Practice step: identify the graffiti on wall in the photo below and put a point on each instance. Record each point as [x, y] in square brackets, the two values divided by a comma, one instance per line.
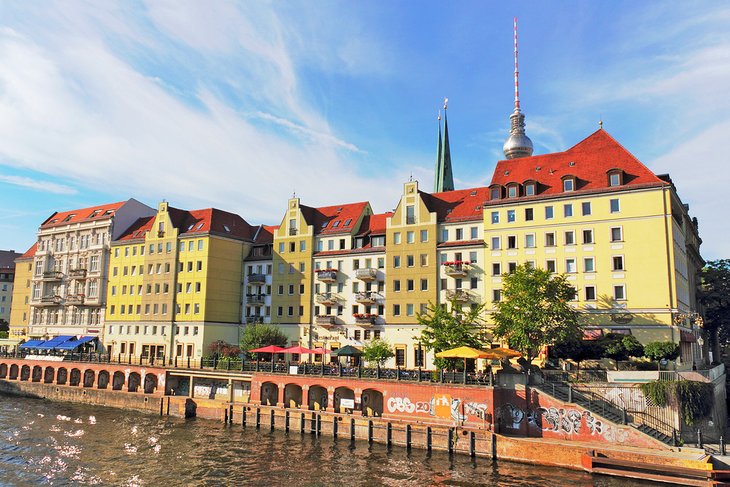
[440, 406]
[560, 420]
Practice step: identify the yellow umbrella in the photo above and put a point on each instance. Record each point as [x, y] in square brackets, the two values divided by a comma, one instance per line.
[501, 354]
[463, 352]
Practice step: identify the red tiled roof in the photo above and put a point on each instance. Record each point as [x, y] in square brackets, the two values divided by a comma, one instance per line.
[461, 243]
[458, 205]
[589, 161]
[362, 250]
[210, 220]
[374, 224]
[266, 235]
[324, 218]
[30, 253]
[93, 213]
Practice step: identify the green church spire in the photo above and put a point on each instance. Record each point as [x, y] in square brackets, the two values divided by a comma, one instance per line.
[443, 178]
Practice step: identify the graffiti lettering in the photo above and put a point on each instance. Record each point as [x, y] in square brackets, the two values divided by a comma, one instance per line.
[476, 409]
[401, 404]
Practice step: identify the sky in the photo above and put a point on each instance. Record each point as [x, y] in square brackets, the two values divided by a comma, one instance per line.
[241, 105]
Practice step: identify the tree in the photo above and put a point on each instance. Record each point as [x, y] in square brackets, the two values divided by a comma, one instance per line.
[257, 335]
[661, 351]
[219, 348]
[715, 298]
[449, 325]
[620, 347]
[535, 311]
[578, 350]
[377, 351]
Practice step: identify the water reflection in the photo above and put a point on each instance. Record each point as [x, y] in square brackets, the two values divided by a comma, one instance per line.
[67, 444]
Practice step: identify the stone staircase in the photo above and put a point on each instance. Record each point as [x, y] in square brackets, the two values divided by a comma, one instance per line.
[598, 405]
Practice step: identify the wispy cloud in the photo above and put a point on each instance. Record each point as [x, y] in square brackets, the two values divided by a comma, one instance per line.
[38, 185]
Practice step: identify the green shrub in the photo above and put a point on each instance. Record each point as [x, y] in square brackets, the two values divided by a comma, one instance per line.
[694, 398]
[661, 350]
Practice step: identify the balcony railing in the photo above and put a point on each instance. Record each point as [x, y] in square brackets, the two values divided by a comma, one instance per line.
[365, 320]
[256, 298]
[367, 274]
[257, 278]
[328, 275]
[292, 231]
[325, 321]
[75, 299]
[52, 276]
[459, 295]
[456, 269]
[77, 273]
[327, 298]
[366, 297]
[50, 300]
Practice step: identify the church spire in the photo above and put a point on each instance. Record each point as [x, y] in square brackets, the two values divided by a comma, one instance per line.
[518, 144]
[443, 177]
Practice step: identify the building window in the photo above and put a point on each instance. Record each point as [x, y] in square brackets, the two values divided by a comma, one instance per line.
[549, 212]
[409, 309]
[568, 184]
[511, 242]
[424, 260]
[589, 264]
[410, 237]
[495, 217]
[396, 261]
[618, 263]
[459, 234]
[410, 285]
[619, 293]
[615, 206]
[424, 235]
[396, 310]
[570, 238]
[590, 293]
[614, 179]
[424, 284]
[530, 189]
[494, 193]
[530, 240]
[587, 236]
[616, 234]
[396, 238]
[570, 266]
[511, 216]
[550, 266]
[567, 210]
[529, 214]
[474, 233]
[396, 285]
[496, 295]
[496, 269]
[512, 191]
[410, 214]
[496, 243]
[586, 208]
[410, 260]
[400, 357]
[511, 267]
[550, 239]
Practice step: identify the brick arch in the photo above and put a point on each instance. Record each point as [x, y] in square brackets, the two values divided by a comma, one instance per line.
[37, 373]
[372, 402]
[49, 375]
[342, 392]
[74, 377]
[150, 383]
[292, 396]
[118, 381]
[134, 382]
[3, 370]
[102, 381]
[14, 371]
[269, 394]
[317, 397]
[89, 378]
[62, 376]
[25, 372]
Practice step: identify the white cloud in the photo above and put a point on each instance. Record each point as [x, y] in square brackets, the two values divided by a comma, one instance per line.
[46, 186]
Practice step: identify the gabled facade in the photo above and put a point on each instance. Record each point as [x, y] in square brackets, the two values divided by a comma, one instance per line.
[175, 283]
[258, 277]
[70, 268]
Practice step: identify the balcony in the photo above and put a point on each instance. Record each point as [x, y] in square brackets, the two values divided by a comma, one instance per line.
[50, 300]
[457, 269]
[365, 297]
[254, 319]
[52, 276]
[256, 299]
[292, 231]
[367, 274]
[327, 275]
[328, 299]
[77, 273]
[256, 278]
[76, 299]
[325, 321]
[365, 320]
[458, 295]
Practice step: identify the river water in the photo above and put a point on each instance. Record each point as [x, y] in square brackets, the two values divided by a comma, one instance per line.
[47, 443]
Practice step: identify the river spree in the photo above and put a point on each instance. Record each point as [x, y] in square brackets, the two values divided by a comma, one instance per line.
[45, 443]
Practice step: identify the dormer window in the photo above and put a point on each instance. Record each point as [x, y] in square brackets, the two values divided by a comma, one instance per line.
[495, 193]
[512, 191]
[614, 179]
[336, 224]
[569, 184]
[530, 189]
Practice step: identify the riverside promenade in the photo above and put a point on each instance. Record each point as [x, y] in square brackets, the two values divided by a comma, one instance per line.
[502, 418]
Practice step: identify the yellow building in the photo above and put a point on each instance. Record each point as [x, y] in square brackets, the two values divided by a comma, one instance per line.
[619, 232]
[175, 282]
[20, 310]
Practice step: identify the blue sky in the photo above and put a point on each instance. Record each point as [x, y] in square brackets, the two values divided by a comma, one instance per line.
[239, 105]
